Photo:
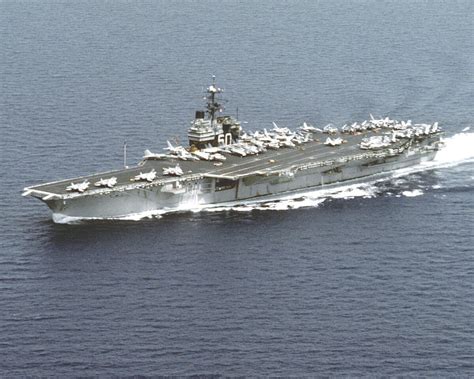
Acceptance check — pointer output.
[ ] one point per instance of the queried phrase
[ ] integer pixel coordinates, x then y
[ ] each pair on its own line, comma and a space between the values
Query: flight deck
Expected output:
233, 167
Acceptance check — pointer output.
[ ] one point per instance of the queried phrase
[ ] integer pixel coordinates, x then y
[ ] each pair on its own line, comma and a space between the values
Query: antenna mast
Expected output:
125, 155
212, 105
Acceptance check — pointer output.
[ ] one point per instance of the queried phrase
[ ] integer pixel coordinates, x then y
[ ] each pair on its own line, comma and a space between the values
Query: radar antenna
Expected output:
213, 105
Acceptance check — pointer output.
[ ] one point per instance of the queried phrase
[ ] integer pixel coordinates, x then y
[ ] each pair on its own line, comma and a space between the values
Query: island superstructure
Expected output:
225, 165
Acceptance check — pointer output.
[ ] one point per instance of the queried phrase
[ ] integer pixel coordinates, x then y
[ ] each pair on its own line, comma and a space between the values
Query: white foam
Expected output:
308, 199
360, 190
413, 193
60, 218
457, 149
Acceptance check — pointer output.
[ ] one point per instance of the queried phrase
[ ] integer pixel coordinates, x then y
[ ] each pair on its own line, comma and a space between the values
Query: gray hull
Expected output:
203, 192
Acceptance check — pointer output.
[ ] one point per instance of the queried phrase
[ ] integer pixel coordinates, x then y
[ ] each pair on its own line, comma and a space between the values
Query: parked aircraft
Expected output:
147, 176
79, 187
111, 182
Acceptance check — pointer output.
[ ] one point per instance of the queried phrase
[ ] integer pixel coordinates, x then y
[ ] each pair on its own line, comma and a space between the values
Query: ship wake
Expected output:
457, 150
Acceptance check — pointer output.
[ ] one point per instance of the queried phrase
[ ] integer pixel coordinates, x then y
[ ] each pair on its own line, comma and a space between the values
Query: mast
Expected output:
212, 104
208, 127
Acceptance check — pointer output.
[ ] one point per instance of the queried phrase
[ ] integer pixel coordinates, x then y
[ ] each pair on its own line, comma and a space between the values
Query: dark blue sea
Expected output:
372, 280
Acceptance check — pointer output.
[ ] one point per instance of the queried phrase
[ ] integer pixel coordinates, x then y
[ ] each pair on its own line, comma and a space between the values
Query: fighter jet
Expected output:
376, 142
180, 152
80, 187
173, 171
279, 130
273, 145
405, 124
309, 128
286, 142
205, 156
208, 156
211, 149
236, 150
149, 155
301, 138
110, 183
258, 144
147, 176
333, 142
266, 137
330, 129
217, 157
382, 122
249, 148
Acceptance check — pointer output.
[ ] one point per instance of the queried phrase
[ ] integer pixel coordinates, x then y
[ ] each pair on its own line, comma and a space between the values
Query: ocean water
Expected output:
369, 280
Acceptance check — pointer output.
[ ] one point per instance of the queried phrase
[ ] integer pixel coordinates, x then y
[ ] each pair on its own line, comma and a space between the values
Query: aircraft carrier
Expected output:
225, 165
